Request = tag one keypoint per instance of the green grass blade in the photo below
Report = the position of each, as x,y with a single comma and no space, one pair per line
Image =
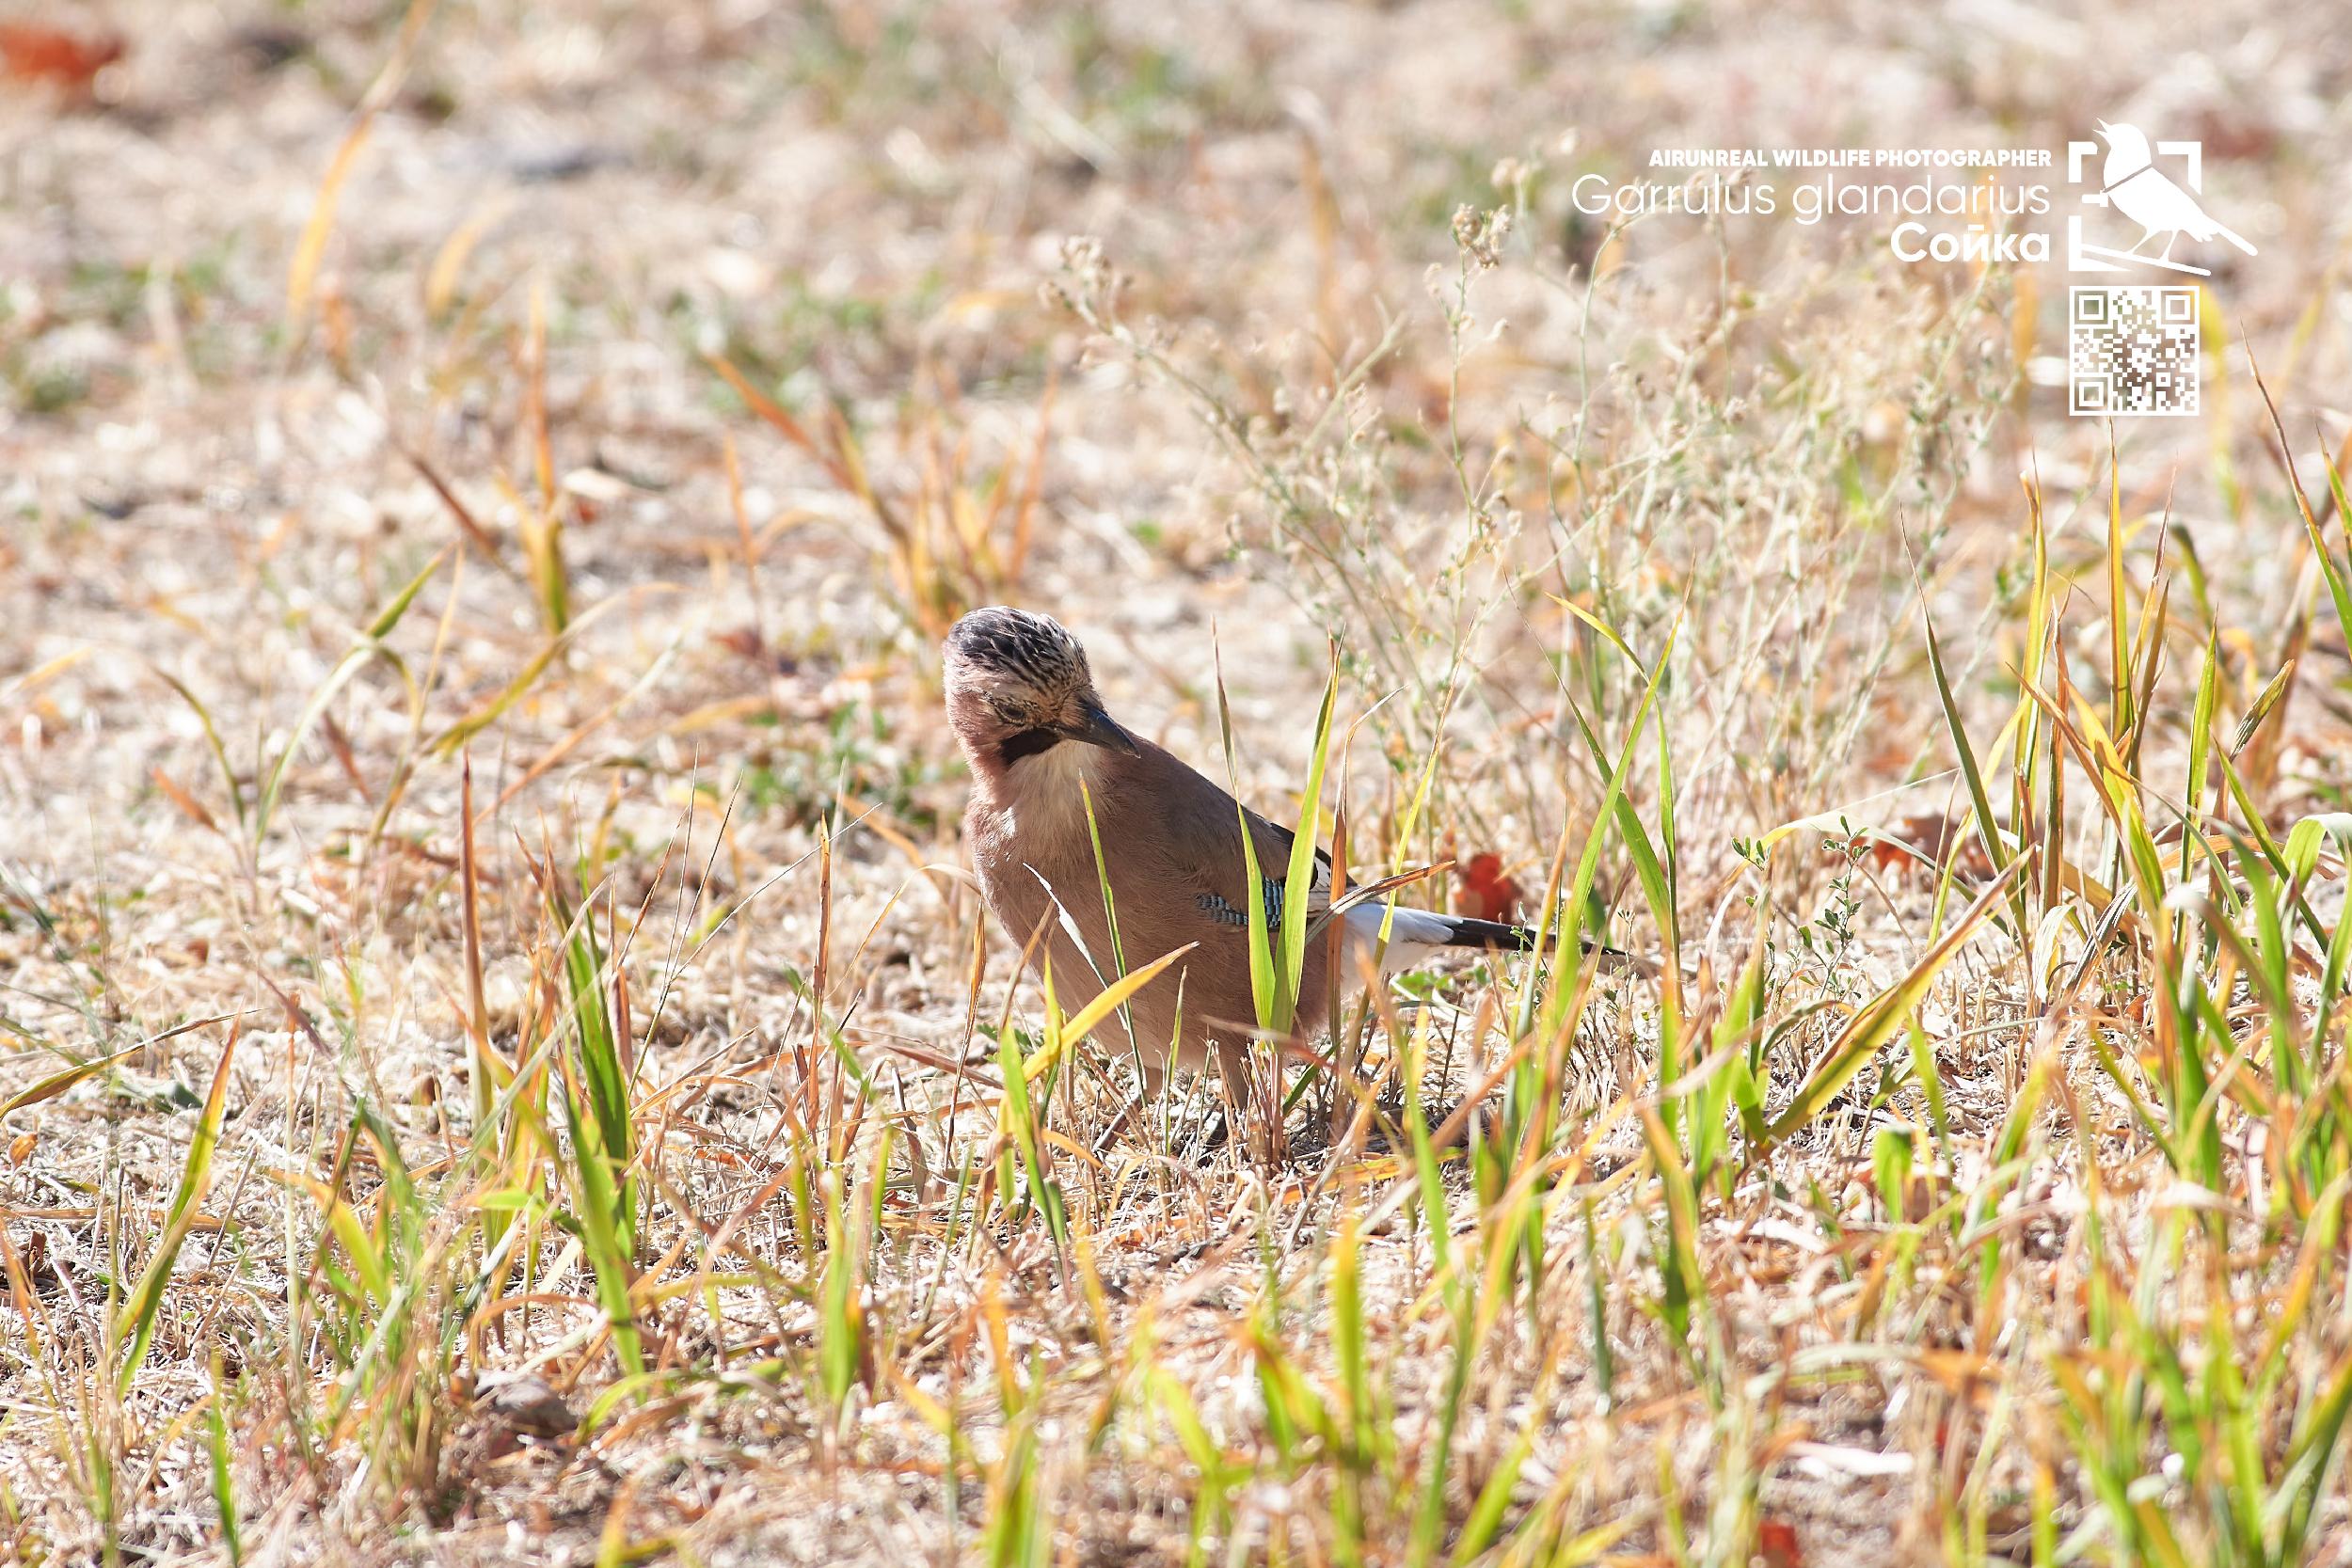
136,1319
1299,884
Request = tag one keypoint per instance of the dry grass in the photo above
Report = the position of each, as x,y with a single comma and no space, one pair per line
500,1062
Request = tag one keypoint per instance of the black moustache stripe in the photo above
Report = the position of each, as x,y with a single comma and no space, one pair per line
1028,743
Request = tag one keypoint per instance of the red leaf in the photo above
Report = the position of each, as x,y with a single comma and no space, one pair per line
35,54
1927,840
1776,1542
1483,892
743,641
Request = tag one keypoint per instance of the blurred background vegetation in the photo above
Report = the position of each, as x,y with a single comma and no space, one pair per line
491,1031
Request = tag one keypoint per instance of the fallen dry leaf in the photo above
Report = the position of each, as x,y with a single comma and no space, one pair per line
1481,891
1776,1542
32,52
1924,841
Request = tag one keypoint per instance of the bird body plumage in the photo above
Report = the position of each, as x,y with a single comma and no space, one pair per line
1172,840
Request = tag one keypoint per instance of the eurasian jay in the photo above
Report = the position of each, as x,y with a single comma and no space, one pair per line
1032,726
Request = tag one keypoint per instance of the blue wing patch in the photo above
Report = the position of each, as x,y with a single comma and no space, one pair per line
1225,914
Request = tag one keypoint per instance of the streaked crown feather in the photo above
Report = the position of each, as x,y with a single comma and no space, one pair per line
1014,646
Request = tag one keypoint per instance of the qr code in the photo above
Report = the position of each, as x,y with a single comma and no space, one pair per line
2132,350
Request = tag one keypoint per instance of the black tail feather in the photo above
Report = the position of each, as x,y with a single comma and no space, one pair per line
1497,935
1463,931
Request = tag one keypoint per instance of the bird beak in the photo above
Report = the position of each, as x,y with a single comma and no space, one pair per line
2107,130
1094,727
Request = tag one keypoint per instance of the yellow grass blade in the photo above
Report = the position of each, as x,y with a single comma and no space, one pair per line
1082,1023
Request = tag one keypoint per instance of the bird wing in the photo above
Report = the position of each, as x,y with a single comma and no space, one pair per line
1180,832
1372,916
1272,844
1400,936
1168,829
1276,868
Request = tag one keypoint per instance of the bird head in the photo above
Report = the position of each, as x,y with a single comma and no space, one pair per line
2125,139
1014,677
